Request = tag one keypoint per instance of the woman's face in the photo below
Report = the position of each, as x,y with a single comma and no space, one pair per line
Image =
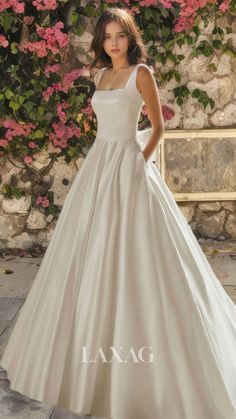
115,39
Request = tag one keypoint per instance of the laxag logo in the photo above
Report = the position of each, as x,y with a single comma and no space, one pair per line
117,357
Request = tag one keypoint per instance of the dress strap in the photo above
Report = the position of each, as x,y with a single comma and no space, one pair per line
133,76
98,75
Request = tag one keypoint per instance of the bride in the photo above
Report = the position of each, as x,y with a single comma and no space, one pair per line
125,318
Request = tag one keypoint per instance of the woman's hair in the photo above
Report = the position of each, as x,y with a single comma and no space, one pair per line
136,50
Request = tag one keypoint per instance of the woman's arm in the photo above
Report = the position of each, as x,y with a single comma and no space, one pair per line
146,84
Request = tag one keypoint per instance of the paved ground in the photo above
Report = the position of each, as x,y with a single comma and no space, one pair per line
14,288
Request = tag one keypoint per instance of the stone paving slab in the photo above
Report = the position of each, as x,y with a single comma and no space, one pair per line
14,288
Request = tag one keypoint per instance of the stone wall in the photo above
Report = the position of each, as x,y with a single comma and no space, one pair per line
23,225
216,75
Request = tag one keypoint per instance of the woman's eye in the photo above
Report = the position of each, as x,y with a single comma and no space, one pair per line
107,36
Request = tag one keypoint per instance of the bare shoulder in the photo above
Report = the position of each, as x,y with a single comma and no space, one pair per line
145,77
144,71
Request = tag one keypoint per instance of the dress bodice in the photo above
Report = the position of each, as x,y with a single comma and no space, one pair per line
117,110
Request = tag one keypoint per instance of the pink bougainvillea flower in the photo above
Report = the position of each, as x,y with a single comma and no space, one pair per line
88,110
134,10
3,143
70,77
3,41
16,5
62,115
28,159
45,4
224,6
52,68
55,39
45,202
62,133
32,144
52,40
167,4
67,82
39,47
167,112
144,110
42,200
48,92
39,200
184,23
15,129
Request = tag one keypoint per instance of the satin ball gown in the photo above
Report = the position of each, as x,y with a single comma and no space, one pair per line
124,274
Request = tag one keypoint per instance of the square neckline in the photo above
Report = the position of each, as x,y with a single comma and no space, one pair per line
120,88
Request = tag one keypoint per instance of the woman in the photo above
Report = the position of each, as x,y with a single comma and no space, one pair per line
125,318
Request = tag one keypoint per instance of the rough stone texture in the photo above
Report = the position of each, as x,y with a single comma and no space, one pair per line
230,225
200,164
210,226
188,210
210,207
36,220
225,118
219,89
22,241
11,225
16,206
195,116
61,171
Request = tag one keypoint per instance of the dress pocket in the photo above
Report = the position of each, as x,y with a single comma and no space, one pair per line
140,165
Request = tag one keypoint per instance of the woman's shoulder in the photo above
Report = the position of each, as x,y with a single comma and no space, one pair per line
145,76
144,68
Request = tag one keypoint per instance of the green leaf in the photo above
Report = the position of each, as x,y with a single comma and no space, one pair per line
33,115
28,105
14,105
6,21
220,31
177,76
40,110
229,52
217,43
180,101
148,14
229,30
9,94
38,134
74,17
196,93
169,44
21,99
79,30
71,151
197,31
14,48
212,103
212,67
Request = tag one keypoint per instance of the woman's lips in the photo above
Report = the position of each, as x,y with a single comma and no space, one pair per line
115,50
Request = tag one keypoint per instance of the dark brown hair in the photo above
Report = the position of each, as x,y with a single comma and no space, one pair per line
136,50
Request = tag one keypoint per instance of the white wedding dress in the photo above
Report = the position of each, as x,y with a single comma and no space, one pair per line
123,269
